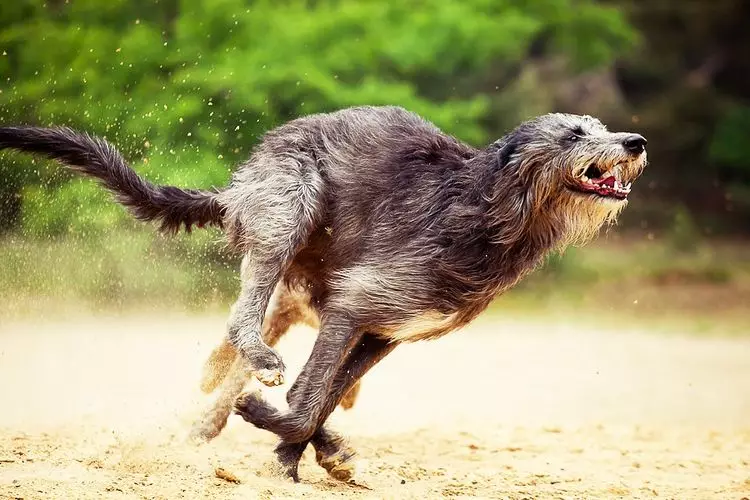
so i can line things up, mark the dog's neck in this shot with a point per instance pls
(520, 231)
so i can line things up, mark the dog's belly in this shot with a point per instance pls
(429, 325)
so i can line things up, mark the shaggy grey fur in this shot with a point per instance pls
(394, 230)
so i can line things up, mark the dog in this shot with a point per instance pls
(390, 229)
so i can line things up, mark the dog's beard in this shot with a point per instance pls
(583, 212)
(583, 215)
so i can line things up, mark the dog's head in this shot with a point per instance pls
(576, 173)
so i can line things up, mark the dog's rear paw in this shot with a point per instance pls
(197, 437)
(270, 377)
(203, 432)
(265, 364)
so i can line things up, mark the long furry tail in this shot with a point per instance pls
(172, 207)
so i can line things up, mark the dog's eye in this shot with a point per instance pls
(576, 134)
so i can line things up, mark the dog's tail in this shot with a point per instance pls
(170, 206)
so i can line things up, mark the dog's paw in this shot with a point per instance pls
(340, 465)
(247, 402)
(279, 470)
(265, 364)
(253, 409)
(288, 457)
(270, 378)
(201, 434)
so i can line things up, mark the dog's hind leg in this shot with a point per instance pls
(286, 308)
(218, 365)
(226, 368)
(213, 420)
(246, 320)
(274, 205)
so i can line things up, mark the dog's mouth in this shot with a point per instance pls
(604, 184)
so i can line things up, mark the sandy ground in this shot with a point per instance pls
(99, 408)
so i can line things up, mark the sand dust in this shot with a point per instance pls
(100, 408)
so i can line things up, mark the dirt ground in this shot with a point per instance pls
(100, 408)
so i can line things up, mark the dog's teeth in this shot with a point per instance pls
(584, 179)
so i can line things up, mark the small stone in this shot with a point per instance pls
(227, 476)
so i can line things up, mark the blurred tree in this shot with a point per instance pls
(688, 86)
(187, 87)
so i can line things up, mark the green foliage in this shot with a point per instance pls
(576, 28)
(56, 212)
(688, 88)
(683, 235)
(730, 150)
(730, 145)
(185, 88)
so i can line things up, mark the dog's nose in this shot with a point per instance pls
(635, 144)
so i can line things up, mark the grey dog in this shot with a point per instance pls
(390, 229)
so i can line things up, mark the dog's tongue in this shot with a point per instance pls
(607, 181)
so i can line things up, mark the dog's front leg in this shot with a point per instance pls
(332, 451)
